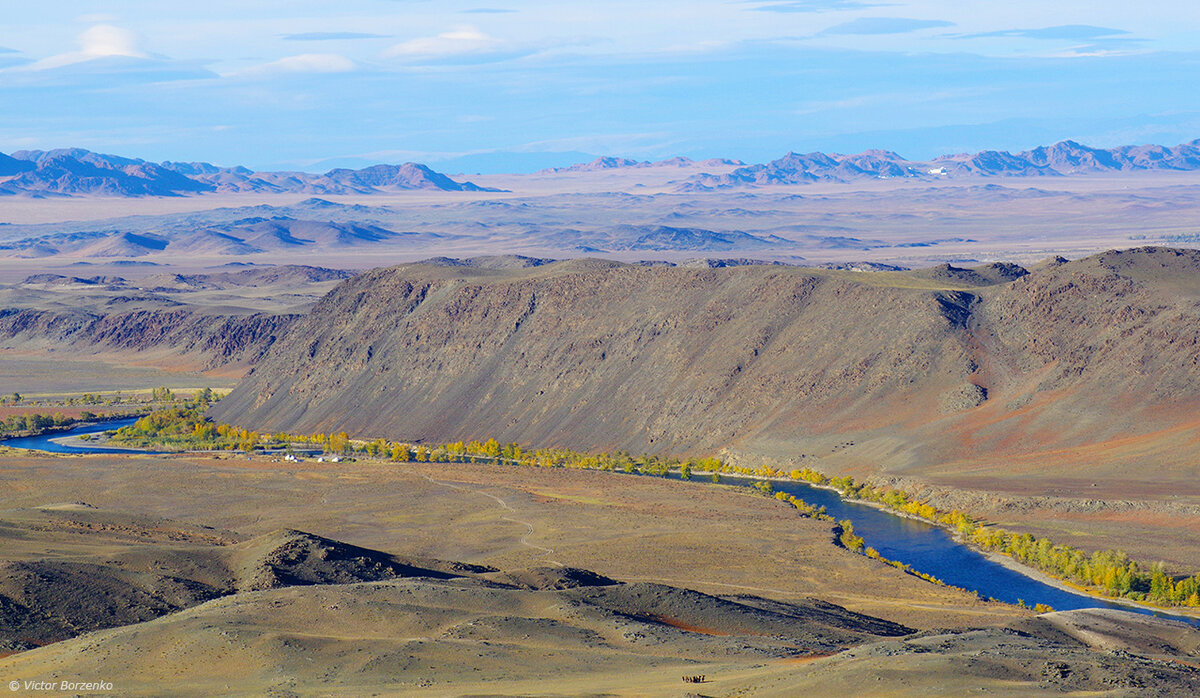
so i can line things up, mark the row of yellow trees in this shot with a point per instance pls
(1110, 572)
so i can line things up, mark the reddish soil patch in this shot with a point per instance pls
(689, 628)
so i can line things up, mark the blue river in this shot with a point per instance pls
(44, 442)
(923, 546)
(932, 549)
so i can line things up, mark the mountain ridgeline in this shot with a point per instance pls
(911, 368)
(79, 172)
(75, 171)
(1064, 158)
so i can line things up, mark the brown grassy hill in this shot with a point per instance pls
(1073, 387)
(185, 593)
(215, 322)
(74, 569)
(603, 355)
(466, 637)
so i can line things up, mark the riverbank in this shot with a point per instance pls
(69, 443)
(100, 440)
(1001, 559)
(1038, 575)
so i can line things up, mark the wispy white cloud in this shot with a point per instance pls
(630, 143)
(461, 45)
(816, 6)
(99, 41)
(1070, 32)
(96, 18)
(107, 57)
(457, 42)
(1099, 50)
(878, 100)
(313, 63)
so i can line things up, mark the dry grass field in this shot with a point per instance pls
(763, 626)
(713, 539)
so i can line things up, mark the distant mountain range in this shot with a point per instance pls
(612, 163)
(74, 171)
(1061, 159)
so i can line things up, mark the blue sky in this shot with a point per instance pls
(498, 85)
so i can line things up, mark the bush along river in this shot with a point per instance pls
(933, 550)
(925, 547)
(45, 442)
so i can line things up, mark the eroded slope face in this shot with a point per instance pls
(1086, 356)
(71, 569)
(600, 355)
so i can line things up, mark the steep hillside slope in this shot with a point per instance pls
(210, 322)
(605, 355)
(1071, 389)
(211, 341)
